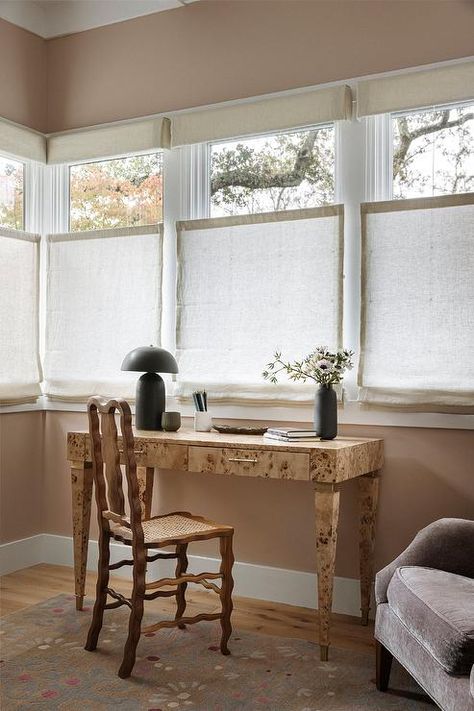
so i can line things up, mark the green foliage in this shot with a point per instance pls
(433, 152)
(321, 365)
(285, 171)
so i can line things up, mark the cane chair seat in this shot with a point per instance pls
(166, 530)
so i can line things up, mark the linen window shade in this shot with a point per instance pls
(20, 372)
(248, 285)
(22, 142)
(109, 141)
(103, 300)
(417, 321)
(262, 116)
(432, 87)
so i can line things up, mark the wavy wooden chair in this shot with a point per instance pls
(175, 529)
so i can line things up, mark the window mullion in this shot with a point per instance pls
(379, 158)
(194, 181)
(350, 151)
(56, 199)
(171, 214)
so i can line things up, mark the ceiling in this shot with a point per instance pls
(54, 18)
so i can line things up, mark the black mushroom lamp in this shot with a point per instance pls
(151, 398)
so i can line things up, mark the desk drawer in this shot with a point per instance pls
(161, 455)
(249, 462)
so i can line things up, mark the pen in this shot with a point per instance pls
(200, 401)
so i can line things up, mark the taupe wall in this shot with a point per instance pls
(429, 473)
(23, 94)
(217, 50)
(21, 475)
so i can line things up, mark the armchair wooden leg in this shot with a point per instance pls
(101, 592)
(136, 613)
(181, 568)
(384, 660)
(227, 561)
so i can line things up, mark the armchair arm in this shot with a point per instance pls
(447, 544)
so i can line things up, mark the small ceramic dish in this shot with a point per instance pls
(233, 429)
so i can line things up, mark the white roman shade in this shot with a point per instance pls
(22, 142)
(413, 90)
(262, 116)
(417, 321)
(108, 141)
(103, 300)
(20, 372)
(248, 285)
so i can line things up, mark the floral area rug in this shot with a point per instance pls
(44, 666)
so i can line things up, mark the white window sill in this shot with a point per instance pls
(351, 413)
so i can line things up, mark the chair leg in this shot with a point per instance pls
(384, 660)
(181, 568)
(227, 561)
(101, 592)
(136, 613)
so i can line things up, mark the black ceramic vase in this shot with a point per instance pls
(325, 412)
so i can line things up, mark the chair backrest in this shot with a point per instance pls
(106, 458)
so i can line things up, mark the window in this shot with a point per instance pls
(433, 152)
(104, 297)
(250, 285)
(11, 193)
(19, 303)
(417, 262)
(123, 192)
(283, 171)
(417, 295)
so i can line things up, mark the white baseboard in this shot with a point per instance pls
(261, 582)
(21, 554)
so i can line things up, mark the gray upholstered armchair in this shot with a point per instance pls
(425, 614)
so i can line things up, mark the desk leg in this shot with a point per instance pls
(327, 515)
(81, 485)
(145, 489)
(368, 498)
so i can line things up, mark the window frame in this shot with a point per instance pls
(68, 166)
(33, 204)
(426, 109)
(321, 126)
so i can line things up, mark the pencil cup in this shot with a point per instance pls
(202, 422)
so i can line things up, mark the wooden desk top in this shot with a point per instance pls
(324, 461)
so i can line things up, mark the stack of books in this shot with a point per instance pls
(288, 434)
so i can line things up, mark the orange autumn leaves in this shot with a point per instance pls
(116, 193)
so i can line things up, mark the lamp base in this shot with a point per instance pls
(150, 402)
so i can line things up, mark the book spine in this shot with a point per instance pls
(281, 438)
(291, 433)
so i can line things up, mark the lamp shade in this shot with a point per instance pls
(150, 359)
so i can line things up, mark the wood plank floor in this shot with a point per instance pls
(33, 585)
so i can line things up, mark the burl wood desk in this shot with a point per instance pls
(327, 464)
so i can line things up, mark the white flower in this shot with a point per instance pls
(325, 365)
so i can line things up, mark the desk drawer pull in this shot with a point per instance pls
(242, 459)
